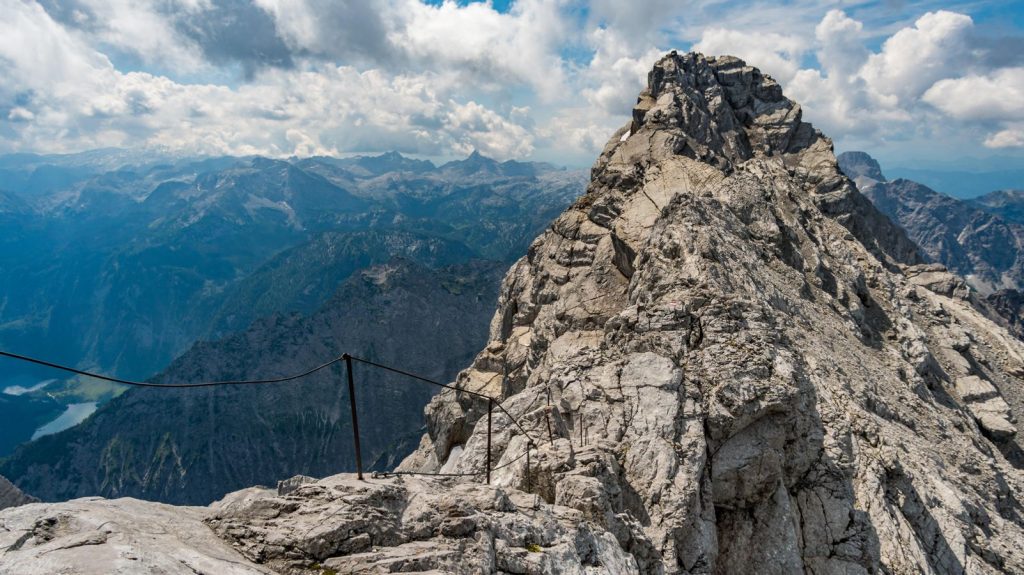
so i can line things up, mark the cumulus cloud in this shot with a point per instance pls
(992, 97)
(520, 46)
(616, 72)
(144, 28)
(544, 78)
(347, 29)
(69, 96)
(644, 24)
(1012, 137)
(914, 58)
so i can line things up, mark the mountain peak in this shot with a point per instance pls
(474, 162)
(857, 165)
(711, 341)
(475, 158)
(719, 110)
(392, 155)
(724, 114)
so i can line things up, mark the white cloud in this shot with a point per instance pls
(521, 45)
(1011, 137)
(548, 78)
(616, 72)
(37, 54)
(914, 58)
(996, 96)
(490, 48)
(78, 100)
(642, 23)
(474, 127)
(19, 114)
(351, 30)
(840, 39)
(577, 133)
(295, 20)
(836, 96)
(143, 28)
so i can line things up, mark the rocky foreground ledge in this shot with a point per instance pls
(334, 525)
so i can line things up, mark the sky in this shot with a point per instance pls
(931, 84)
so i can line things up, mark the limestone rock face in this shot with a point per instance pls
(333, 525)
(411, 524)
(93, 536)
(733, 363)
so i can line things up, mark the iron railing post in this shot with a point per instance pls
(355, 417)
(490, 406)
(529, 486)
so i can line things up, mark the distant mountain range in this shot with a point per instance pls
(981, 239)
(962, 184)
(119, 262)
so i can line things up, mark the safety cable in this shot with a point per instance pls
(497, 402)
(173, 385)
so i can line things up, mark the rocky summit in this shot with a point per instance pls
(726, 361)
(735, 364)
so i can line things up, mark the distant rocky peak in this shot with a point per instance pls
(473, 164)
(475, 158)
(393, 161)
(858, 165)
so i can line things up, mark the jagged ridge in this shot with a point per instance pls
(766, 378)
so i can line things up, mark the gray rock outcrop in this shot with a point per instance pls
(393, 525)
(95, 536)
(333, 525)
(735, 364)
(1009, 304)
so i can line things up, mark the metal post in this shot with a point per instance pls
(529, 488)
(490, 406)
(355, 417)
